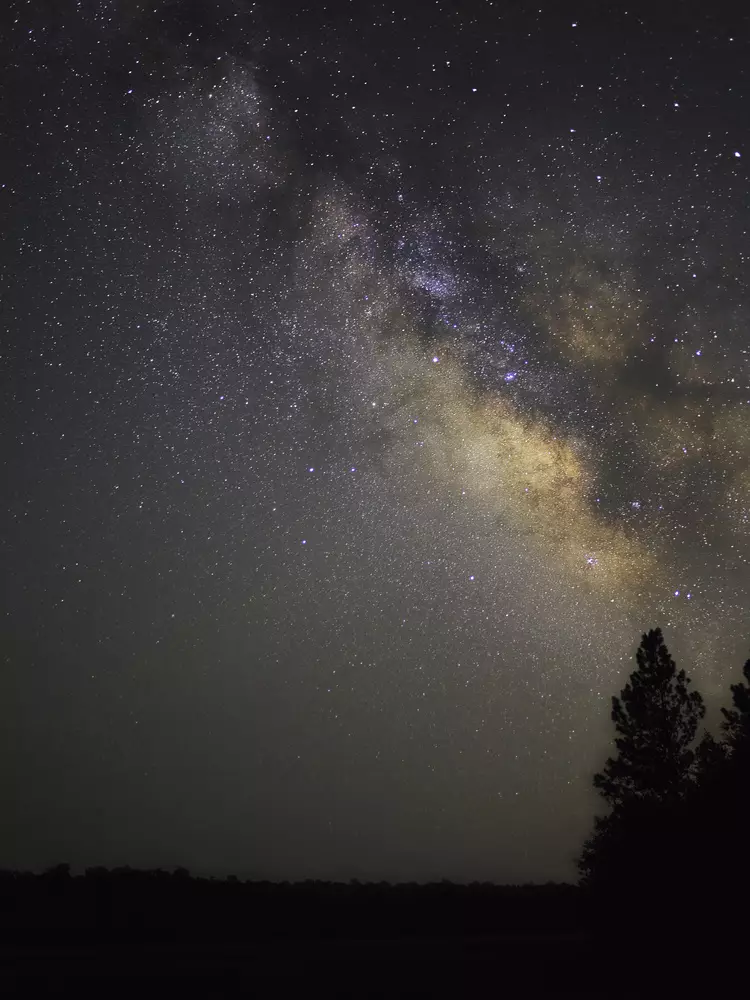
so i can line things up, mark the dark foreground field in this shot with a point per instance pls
(481, 966)
(154, 933)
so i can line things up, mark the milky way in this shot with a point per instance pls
(371, 381)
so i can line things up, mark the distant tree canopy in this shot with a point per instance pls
(176, 906)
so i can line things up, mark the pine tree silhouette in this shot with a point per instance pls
(646, 785)
(725, 793)
(736, 723)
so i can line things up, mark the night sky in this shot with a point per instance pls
(372, 376)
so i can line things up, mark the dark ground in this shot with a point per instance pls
(481, 966)
(151, 933)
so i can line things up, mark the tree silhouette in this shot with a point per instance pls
(656, 719)
(720, 813)
(736, 723)
(710, 755)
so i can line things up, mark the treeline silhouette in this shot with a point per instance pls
(164, 905)
(666, 865)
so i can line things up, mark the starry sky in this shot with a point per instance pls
(372, 376)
